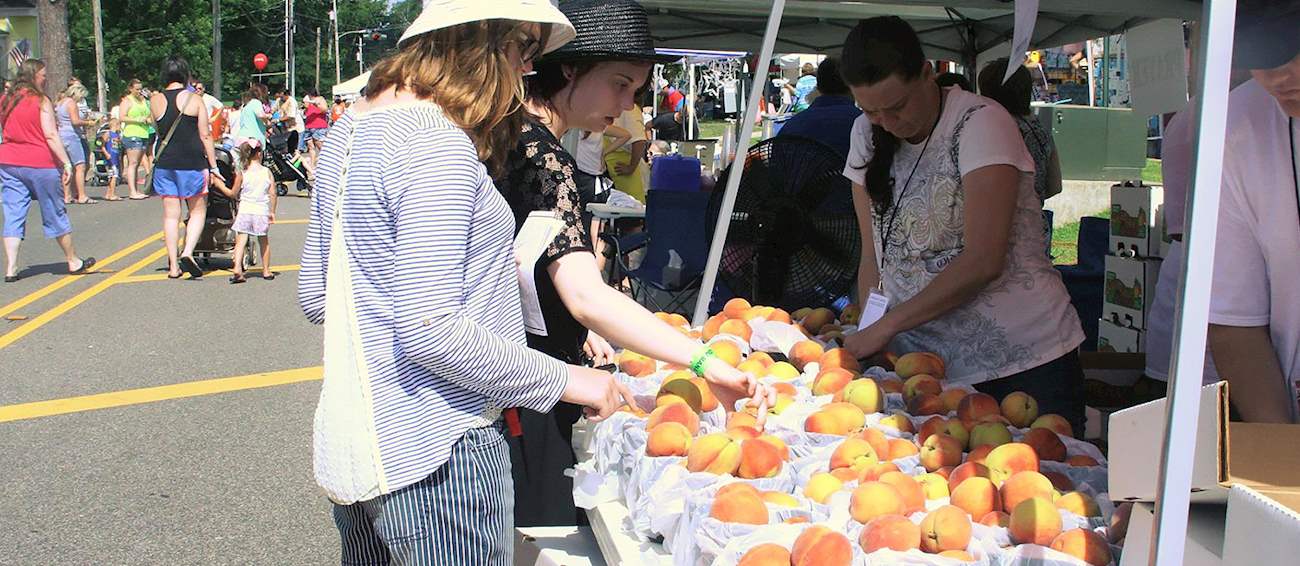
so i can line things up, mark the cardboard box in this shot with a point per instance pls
(1115, 339)
(1204, 546)
(1263, 526)
(1262, 456)
(1130, 284)
(1135, 223)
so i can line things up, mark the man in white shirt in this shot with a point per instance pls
(1255, 304)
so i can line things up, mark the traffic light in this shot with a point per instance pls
(376, 36)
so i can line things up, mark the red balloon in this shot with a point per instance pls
(259, 61)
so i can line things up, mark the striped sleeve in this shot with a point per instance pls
(432, 208)
(315, 251)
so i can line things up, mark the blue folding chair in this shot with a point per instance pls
(674, 220)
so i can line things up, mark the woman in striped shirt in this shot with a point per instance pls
(409, 263)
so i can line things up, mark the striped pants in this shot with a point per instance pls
(462, 514)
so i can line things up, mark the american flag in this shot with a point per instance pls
(20, 51)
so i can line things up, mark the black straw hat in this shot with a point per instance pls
(608, 30)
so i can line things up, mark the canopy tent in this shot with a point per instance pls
(1077, 19)
(351, 88)
(956, 30)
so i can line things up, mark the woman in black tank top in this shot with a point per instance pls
(183, 159)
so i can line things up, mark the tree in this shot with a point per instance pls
(53, 18)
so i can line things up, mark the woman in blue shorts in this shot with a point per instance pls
(182, 164)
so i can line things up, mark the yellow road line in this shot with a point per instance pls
(154, 394)
(163, 276)
(69, 279)
(45, 317)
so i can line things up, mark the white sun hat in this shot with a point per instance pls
(439, 14)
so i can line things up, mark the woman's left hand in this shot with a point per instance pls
(598, 349)
(870, 340)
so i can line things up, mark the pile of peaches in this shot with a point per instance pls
(914, 484)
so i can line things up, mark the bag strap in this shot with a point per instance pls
(172, 130)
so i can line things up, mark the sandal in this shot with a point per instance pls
(87, 201)
(190, 266)
(86, 263)
(237, 279)
(113, 199)
(269, 277)
(177, 276)
(139, 197)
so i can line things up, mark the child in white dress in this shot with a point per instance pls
(256, 209)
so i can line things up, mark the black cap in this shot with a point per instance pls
(1267, 34)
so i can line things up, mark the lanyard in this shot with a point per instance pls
(886, 233)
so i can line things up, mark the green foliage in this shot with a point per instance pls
(140, 34)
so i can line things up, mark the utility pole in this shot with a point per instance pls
(293, 71)
(216, 48)
(334, 18)
(102, 97)
(361, 67)
(317, 58)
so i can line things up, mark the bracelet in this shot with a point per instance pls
(697, 363)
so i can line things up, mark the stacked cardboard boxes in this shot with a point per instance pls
(1137, 243)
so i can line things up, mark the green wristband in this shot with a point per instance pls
(697, 364)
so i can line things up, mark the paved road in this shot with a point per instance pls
(202, 454)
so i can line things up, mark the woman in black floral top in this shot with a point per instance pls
(586, 85)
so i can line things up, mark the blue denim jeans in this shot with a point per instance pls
(462, 514)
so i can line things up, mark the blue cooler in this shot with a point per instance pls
(675, 173)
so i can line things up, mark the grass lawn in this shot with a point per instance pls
(714, 129)
(1151, 173)
(1065, 241)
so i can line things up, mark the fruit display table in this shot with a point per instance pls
(556, 546)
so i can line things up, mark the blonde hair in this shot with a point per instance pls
(75, 91)
(466, 71)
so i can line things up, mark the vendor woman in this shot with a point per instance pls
(585, 85)
(951, 230)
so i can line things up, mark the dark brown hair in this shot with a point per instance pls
(1014, 94)
(23, 87)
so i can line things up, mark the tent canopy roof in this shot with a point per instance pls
(957, 30)
(352, 86)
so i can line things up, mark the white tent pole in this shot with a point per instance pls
(1192, 311)
(690, 102)
(738, 166)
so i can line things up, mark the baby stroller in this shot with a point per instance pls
(217, 237)
(284, 162)
(100, 169)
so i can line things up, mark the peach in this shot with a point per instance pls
(796, 520)
(915, 363)
(800, 313)
(892, 386)
(976, 405)
(1085, 545)
(961, 555)
(957, 430)
(839, 358)
(783, 388)
(976, 496)
(756, 312)
(1059, 481)
(708, 401)
(831, 381)
(878, 441)
(934, 485)
(738, 419)
(668, 439)
(739, 507)
(825, 422)
(966, 471)
(766, 554)
(781, 499)
(1020, 408)
(753, 367)
(1046, 444)
(913, 494)
(1025, 485)
(779, 315)
(674, 412)
(1080, 504)
(854, 453)
(781, 447)
(818, 319)
(820, 546)
(804, 353)
(742, 433)
(711, 326)
(922, 383)
(851, 314)
(873, 473)
(820, 487)
(783, 370)
(940, 450)
(1008, 459)
(996, 519)
(783, 402)
(951, 398)
(894, 532)
(1081, 461)
(863, 393)
(737, 328)
(677, 374)
(902, 448)
(1054, 422)
(999, 419)
(1034, 521)
(714, 453)
(762, 358)
(944, 472)
(979, 452)
(845, 475)
(898, 421)
(727, 351)
(945, 528)
(874, 499)
(992, 434)
(737, 487)
(925, 404)
(930, 426)
(849, 414)
(635, 364)
(735, 308)
(758, 459)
